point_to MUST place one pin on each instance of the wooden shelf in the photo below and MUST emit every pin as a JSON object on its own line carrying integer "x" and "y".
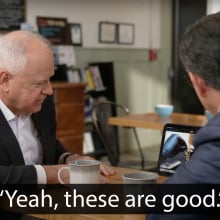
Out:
{"x": 69, "y": 103}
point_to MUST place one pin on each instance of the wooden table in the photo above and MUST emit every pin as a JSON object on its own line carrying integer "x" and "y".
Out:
{"x": 113, "y": 179}
{"x": 153, "y": 121}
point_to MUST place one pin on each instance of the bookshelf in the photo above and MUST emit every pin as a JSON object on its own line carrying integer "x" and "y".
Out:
{"x": 106, "y": 70}
{"x": 76, "y": 97}
{"x": 100, "y": 87}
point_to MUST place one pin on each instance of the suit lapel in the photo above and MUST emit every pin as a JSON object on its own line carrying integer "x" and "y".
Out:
{"x": 10, "y": 142}
{"x": 39, "y": 124}
{"x": 42, "y": 130}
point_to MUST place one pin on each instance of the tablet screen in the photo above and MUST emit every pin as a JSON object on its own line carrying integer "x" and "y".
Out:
{"x": 176, "y": 147}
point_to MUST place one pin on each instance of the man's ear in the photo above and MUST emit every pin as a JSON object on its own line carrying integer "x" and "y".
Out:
{"x": 4, "y": 79}
{"x": 4, "y": 76}
{"x": 199, "y": 84}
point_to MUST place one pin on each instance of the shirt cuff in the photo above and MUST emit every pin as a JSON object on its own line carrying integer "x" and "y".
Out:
{"x": 63, "y": 157}
{"x": 41, "y": 174}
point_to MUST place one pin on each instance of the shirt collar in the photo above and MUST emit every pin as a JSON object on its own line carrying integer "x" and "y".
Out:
{"x": 9, "y": 115}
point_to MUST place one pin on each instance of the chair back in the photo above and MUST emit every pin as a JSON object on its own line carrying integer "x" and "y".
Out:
{"x": 108, "y": 134}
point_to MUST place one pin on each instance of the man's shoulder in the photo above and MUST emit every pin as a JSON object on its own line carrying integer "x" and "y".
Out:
{"x": 209, "y": 132}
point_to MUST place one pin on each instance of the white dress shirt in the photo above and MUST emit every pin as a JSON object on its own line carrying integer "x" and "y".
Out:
{"x": 26, "y": 135}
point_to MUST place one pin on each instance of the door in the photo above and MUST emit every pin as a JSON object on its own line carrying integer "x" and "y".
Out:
{"x": 185, "y": 12}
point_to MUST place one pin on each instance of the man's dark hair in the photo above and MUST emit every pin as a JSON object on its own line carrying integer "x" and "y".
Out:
{"x": 200, "y": 49}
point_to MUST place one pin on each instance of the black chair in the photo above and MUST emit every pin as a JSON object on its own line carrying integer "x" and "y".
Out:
{"x": 108, "y": 134}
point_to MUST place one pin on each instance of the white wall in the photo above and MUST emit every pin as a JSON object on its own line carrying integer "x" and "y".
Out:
{"x": 213, "y": 6}
{"x": 144, "y": 14}
{"x": 137, "y": 79}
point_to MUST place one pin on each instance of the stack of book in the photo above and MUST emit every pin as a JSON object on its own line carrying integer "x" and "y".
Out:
{"x": 91, "y": 75}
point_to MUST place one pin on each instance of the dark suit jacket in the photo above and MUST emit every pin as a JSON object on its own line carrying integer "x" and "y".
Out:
{"x": 12, "y": 167}
{"x": 202, "y": 168}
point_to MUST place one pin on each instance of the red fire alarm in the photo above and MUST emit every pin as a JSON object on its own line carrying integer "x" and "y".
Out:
{"x": 152, "y": 55}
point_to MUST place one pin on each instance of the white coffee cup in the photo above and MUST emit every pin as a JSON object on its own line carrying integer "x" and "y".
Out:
{"x": 140, "y": 178}
{"x": 82, "y": 171}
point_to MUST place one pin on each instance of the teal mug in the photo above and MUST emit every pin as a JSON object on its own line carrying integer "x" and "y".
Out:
{"x": 208, "y": 114}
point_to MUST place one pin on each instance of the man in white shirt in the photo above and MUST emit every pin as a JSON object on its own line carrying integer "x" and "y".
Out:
{"x": 29, "y": 150}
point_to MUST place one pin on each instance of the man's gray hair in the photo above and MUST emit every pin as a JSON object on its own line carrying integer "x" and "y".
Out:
{"x": 13, "y": 56}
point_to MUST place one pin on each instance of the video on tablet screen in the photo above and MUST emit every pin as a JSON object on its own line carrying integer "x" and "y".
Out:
{"x": 176, "y": 147}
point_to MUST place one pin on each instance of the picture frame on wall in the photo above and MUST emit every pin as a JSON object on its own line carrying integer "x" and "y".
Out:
{"x": 75, "y": 30}
{"x": 54, "y": 29}
{"x": 125, "y": 33}
{"x": 107, "y": 32}
{"x": 12, "y": 14}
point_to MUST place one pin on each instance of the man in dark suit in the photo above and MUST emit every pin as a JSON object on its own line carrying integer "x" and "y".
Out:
{"x": 200, "y": 55}
{"x": 29, "y": 150}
